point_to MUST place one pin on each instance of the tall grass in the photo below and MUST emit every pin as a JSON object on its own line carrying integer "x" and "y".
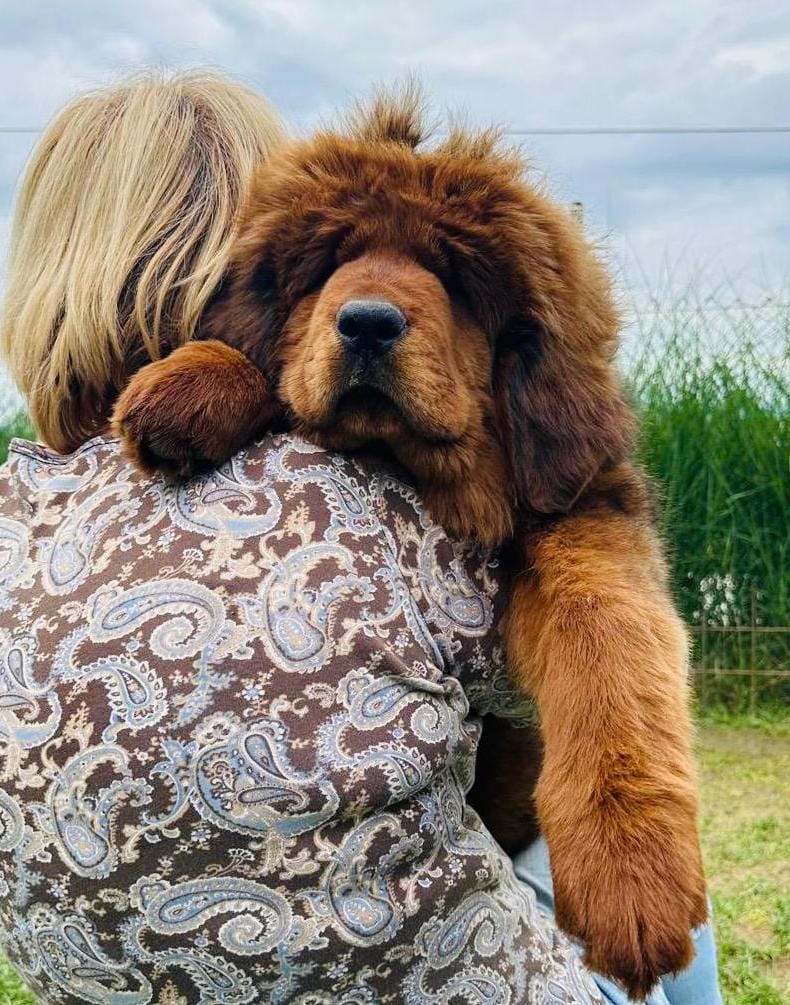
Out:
{"x": 713, "y": 391}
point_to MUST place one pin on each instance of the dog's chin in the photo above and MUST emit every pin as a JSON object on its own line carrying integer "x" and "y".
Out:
{"x": 364, "y": 414}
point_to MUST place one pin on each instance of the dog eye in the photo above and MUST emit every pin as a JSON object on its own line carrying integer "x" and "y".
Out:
{"x": 263, "y": 281}
{"x": 433, "y": 259}
{"x": 454, "y": 287}
{"x": 310, "y": 265}
{"x": 314, "y": 280}
{"x": 349, "y": 246}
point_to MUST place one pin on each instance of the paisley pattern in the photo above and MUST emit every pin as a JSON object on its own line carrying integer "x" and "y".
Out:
{"x": 238, "y": 720}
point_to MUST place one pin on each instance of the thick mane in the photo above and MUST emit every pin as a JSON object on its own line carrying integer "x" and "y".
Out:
{"x": 477, "y": 144}
{"x": 398, "y": 116}
{"x": 393, "y": 116}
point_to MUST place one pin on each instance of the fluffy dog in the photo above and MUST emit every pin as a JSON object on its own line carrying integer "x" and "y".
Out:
{"x": 431, "y": 301}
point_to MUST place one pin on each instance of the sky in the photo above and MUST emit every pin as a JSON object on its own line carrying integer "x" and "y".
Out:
{"x": 672, "y": 212}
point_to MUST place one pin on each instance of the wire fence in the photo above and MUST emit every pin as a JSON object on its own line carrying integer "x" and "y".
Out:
{"x": 762, "y": 676}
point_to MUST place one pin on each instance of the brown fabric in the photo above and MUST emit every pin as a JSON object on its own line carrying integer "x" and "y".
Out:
{"x": 236, "y": 738}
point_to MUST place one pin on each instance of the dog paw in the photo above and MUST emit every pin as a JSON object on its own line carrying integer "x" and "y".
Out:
{"x": 633, "y": 911}
{"x": 193, "y": 410}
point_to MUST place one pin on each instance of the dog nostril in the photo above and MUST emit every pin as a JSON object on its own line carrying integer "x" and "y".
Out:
{"x": 370, "y": 327}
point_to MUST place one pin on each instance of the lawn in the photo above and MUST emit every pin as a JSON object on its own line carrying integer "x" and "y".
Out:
{"x": 746, "y": 838}
{"x": 746, "y": 835}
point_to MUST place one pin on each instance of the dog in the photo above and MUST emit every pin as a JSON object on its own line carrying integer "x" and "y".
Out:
{"x": 430, "y": 301}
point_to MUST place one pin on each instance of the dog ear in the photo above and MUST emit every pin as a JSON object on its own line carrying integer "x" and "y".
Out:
{"x": 278, "y": 259}
{"x": 244, "y": 312}
{"x": 558, "y": 396}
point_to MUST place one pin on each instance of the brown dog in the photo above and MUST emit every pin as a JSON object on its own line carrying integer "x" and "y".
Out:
{"x": 432, "y": 301}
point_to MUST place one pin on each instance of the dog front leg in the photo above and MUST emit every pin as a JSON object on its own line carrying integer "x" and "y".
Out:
{"x": 592, "y": 633}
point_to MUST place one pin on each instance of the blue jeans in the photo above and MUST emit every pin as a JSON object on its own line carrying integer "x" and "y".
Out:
{"x": 697, "y": 985}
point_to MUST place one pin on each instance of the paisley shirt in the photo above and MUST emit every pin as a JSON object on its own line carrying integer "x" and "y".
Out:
{"x": 236, "y": 737}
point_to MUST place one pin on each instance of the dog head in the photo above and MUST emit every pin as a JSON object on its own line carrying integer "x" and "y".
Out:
{"x": 430, "y": 299}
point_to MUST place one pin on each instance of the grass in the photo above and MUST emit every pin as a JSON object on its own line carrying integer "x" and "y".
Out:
{"x": 715, "y": 436}
{"x": 18, "y": 426}
{"x": 745, "y": 766}
{"x": 12, "y": 991}
{"x": 714, "y": 400}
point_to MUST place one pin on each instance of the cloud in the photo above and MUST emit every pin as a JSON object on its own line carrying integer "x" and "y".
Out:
{"x": 568, "y": 63}
{"x": 767, "y": 57}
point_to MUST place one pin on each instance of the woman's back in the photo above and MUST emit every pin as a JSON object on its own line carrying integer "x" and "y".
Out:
{"x": 235, "y": 740}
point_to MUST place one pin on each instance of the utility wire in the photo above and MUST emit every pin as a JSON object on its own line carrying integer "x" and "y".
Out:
{"x": 592, "y": 131}
{"x": 670, "y": 308}
{"x": 650, "y": 131}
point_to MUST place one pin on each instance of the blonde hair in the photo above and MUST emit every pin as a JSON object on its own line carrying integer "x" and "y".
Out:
{"x": 121, "y": 234}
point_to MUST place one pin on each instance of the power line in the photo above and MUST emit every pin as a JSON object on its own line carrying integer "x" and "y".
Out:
{"x": 591, "y": 131}
{"x": 649, "y": 131}
{"x": 670, "y": 308}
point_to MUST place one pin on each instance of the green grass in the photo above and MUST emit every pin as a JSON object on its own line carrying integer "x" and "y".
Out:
{"x": 715, "y": 435}
{"x": 12, "y": 991}
{"x": 713, "y": 400}
{"x": 745, "y": 768}
{"x": 18, "y": 426}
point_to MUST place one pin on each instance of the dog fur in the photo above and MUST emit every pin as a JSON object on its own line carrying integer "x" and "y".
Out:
{"x": 503, "y": 403}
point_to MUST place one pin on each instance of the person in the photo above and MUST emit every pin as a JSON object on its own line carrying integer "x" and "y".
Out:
{"x": 238, "y": 716}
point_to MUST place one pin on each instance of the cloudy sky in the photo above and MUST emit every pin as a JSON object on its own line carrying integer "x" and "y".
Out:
{"x": 670, "y": 209}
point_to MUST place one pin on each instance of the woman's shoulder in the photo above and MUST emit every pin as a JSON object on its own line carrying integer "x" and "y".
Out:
{"x": 290, "y": 495}
{"x": 281, "y": 480}
{"x": 282, "y": 465}
{"x": 283, "y": 491}
{"x": 284, "y": 462}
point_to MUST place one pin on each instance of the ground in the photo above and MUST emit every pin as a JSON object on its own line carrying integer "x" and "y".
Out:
{"x": 746, "y": 836}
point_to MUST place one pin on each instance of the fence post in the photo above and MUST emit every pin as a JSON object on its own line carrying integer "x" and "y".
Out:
{"x": 753, "y": 667}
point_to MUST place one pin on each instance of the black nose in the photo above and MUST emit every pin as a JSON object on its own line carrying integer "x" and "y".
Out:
{"x": 370, "y": 327}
